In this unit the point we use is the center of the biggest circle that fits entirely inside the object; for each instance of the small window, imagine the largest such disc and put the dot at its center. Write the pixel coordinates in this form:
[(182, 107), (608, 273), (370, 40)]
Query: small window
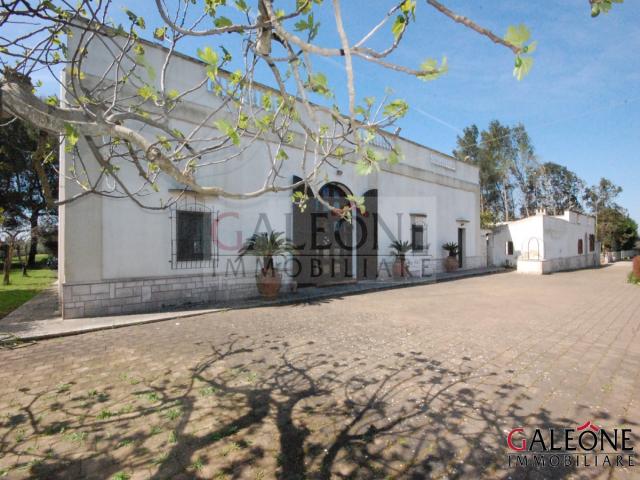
[(418, 233), (509, 248), (194, 236), (580, 247), (592, 243)]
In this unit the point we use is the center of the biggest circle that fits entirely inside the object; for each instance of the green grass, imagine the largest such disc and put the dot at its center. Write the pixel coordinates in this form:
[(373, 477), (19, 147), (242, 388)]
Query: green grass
[(23, 289), (41, 259)]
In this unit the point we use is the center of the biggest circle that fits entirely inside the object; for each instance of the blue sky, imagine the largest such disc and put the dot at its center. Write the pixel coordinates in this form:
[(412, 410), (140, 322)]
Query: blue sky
[(580, 103)]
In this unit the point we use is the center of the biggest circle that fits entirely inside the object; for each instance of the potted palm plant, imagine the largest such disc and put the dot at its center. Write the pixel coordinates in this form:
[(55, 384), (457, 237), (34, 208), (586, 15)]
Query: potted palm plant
[(451, 262), (267, 246), (399, 249)]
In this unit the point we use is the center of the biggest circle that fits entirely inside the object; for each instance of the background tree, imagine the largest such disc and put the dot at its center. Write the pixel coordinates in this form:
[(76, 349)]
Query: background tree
[(557, 189), (11, 233), (524, 169), (28, 178), (601, 196), (496, 157), (616, 230), (107, 113), (508, 168)]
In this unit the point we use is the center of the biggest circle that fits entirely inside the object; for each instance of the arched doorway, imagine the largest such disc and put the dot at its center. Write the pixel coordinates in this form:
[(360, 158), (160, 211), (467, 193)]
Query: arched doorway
[(323, 239)]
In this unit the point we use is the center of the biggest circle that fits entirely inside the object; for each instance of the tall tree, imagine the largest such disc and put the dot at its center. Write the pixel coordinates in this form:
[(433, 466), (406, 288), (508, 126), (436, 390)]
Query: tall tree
[(496, 157), (616, 230), (601, 196), (11, 229), (557, 189), (128, 104), (28, 178), (507, 163), (524, 169)]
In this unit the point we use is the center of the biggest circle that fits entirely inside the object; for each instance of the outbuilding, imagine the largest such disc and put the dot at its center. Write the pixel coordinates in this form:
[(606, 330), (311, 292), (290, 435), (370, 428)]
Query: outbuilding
[(545, 243)]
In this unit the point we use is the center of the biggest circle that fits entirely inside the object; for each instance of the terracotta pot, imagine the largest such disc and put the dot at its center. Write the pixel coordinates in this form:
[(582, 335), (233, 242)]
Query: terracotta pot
[(451, 264), (400, 269), (269, 283)]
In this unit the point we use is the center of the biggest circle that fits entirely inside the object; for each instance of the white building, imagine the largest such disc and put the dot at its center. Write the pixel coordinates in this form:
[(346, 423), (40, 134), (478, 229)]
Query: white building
[(116, 257), (545, 243)]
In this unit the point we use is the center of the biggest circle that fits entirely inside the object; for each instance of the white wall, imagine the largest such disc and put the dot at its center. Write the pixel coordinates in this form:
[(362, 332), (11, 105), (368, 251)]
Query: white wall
[(544, 238), (107, 239)]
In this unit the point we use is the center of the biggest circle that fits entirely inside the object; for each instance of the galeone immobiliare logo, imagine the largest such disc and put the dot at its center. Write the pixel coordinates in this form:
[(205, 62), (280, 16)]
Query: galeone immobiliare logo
[(587, 445)]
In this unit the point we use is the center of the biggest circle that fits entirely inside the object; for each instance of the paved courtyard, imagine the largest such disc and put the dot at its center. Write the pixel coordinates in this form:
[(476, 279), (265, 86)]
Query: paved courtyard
[(421, 382)]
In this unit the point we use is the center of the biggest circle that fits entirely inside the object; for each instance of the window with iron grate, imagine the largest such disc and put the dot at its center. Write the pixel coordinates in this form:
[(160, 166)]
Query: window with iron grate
[(193, 236)]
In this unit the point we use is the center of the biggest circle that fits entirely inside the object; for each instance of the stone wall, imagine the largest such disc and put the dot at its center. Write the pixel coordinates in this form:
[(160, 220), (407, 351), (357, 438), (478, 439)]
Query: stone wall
[(141, 295), (152, 294), (541, 267)]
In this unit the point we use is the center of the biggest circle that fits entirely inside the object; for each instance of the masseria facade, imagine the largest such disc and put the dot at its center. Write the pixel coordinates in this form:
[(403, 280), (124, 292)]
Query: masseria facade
[(116, 257)]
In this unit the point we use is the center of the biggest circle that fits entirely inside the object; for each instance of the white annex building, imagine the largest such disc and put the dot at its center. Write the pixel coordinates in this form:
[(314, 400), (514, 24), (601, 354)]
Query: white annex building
[(116, 257), (544, 243)]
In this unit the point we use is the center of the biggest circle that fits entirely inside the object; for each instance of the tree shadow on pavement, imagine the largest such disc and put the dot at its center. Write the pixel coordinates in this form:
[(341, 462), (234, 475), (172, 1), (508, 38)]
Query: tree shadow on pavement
[(270, 409)]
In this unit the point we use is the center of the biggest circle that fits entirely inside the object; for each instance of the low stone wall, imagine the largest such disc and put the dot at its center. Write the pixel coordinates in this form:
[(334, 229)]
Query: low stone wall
[(610, 257), (424, 265), (541, 267), (139, 295), (124, 296)]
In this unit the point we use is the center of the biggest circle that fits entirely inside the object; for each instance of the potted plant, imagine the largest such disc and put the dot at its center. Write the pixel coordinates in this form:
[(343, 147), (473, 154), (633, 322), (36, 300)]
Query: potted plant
[(451, 262), (399, 249), (267, 246)]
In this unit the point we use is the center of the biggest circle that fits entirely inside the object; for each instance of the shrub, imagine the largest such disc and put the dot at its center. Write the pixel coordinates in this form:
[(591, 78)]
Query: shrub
[(631, 278)]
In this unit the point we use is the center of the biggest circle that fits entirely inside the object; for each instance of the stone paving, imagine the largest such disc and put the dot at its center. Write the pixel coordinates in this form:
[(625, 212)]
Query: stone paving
[(420, 382), (40, 317)]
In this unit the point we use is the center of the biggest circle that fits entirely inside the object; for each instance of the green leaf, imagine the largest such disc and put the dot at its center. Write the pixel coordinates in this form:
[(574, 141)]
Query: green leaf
[(226, 55), (52, 100), (522, 67), (602, 6), (210, 6), (177, 133), (358, 201), (266, 101), (408, 7), (210, 57), (531, 47), (364, 167), (241, 5), (282, 155), (132, 16), (432, 70), (222, 22), (517, 35), (159, 33), (71, 135), (147, 92), (226, 128), (318, 83), (398, 26), (396, 108), (395, 155)]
